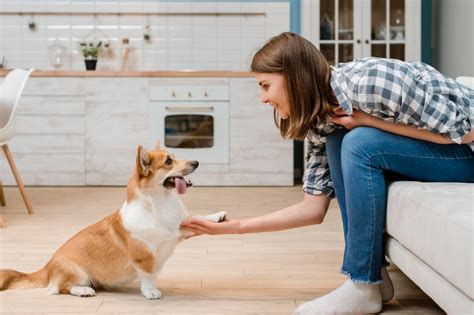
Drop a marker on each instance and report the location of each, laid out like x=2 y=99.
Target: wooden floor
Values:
x=266 y=273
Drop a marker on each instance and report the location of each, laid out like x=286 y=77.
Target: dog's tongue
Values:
x=180 y=185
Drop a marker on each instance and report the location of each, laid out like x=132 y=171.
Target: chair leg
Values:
x=17 y=178
x=2 y=222
x=3 y=203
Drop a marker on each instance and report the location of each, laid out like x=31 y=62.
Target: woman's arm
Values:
x=410 y=131
x=307 y=212
x=360 y=118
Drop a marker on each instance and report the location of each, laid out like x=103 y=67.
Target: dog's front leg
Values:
x=148 y=287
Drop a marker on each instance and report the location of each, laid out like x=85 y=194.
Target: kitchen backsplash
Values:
x=178 y=40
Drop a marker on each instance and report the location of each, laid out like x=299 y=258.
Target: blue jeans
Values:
x=358 y=161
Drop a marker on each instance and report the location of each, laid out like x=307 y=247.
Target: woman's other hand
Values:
x=357 y=119
x=200 y=226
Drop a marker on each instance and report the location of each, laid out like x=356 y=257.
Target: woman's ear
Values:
x=143 y=161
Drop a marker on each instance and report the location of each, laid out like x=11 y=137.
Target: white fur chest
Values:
x=155 y=221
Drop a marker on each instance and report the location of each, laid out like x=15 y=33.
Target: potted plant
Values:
x=90 y=51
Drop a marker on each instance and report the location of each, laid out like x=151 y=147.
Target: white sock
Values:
x=386 y=288
x=351 y=297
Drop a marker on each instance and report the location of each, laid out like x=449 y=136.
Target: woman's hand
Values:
x=199 y=226
x=357 y=119
x=468 y=138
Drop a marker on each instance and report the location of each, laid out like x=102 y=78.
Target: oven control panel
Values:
x=190 y=93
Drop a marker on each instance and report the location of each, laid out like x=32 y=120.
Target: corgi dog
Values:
x=130 y=244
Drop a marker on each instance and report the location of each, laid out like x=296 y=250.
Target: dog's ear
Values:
x=157 y=145
x=143 y=161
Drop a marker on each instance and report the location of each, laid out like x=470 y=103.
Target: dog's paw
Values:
x=82 y=291
x=217 y=217
x=222 y=216
x=152 y=294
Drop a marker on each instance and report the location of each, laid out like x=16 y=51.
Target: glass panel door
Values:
x=397 y=51
x=387 y=31
x=397 y=29
x=346 y=19
x=337 y=30
x=346 y=52
x=379 y=50
x=378 y=29
x=327 y=18
x=328 y=50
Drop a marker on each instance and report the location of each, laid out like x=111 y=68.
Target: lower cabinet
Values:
x=49 y=144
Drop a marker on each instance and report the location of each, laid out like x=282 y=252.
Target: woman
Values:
x=362 y=120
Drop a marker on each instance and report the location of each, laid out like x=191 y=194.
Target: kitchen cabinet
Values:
x=80 y=131
x=344 y=30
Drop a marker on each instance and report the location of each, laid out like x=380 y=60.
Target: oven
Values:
x=191 y=121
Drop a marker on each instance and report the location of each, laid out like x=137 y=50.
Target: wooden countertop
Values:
x=177 y=74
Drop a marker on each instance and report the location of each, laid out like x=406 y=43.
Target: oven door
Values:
x=192 y=130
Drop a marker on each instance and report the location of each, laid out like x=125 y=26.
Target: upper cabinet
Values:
x=344 y=30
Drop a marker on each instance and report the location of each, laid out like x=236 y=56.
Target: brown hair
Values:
x=307 y=75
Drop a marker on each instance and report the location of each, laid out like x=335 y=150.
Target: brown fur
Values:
x=10 y=279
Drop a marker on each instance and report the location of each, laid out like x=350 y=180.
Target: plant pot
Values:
x=90 y=64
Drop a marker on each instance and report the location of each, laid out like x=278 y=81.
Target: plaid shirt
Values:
x=410 y=93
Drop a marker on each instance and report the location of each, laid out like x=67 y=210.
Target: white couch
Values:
x=430 y=229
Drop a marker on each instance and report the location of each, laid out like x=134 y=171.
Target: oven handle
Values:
x=190 y=109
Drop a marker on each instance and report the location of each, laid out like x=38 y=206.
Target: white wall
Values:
x=178 y=42
x=453 y=29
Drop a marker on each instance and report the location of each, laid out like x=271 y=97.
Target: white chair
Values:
x=10 y=92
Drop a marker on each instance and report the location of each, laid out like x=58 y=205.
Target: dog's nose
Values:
x=195 y=164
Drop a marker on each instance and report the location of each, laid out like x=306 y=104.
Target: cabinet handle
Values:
x=173 y=94
x=205 y=94
x=358 y=41
x=189 y=94
x=190 y=109
x=366 y=41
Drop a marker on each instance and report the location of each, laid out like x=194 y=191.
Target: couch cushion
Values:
x=435 y=221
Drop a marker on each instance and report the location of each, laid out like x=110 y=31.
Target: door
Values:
x=344 y=30
x=392 y=29
x=339 y=30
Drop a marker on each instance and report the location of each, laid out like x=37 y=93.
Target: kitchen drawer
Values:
x=55 y=87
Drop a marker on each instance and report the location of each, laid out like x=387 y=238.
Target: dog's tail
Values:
x=12 y=279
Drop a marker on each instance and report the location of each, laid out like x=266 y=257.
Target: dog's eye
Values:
x=169 y=161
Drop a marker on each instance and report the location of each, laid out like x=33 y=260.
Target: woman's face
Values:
x=273 y=92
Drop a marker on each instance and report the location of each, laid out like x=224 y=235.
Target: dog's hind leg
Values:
x=81 y=291
x=74 y=287
x=70 y=279
x=71 y=285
